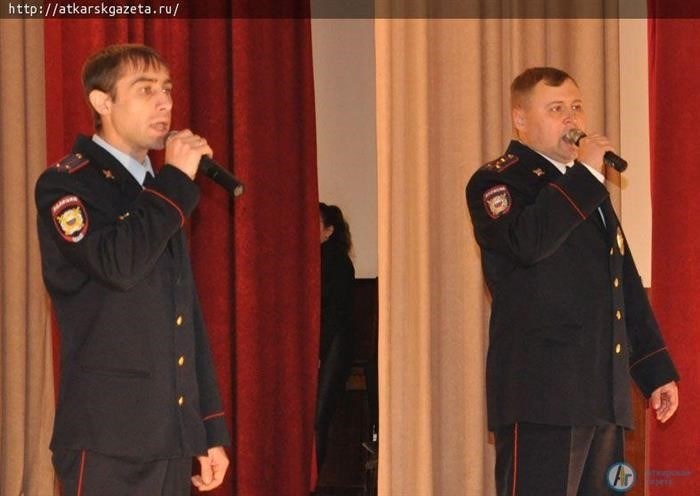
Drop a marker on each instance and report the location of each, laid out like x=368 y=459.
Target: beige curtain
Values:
x=443 y=111
x=26 y=378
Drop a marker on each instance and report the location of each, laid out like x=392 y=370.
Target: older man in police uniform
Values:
x=138 y=397
x=570 y=321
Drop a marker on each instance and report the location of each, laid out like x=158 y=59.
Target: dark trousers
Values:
x=334 y=371
x=86 y=473
x=547 y=460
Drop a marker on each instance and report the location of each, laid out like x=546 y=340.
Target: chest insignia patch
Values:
x=497 y=201
x=70 y=218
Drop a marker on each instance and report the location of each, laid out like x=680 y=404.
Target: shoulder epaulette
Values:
x=71 y=163
x=501 y=163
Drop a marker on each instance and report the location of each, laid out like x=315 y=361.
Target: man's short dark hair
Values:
x=523 y=84
x=103 y=69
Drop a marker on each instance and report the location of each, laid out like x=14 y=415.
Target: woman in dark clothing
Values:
x=336 y=347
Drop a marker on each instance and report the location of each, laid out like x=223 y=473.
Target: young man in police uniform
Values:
x=570 y=321
x=138 y=397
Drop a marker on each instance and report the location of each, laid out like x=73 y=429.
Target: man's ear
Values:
x=518 y=116
x=100 y=101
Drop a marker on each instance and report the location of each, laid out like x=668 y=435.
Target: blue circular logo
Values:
x=620 y=477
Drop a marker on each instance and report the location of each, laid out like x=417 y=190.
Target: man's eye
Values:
x=168 y=91
x=577 y=108
x=146 y=90
x=555 y=108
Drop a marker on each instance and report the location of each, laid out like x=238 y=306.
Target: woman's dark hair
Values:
x=333 y=216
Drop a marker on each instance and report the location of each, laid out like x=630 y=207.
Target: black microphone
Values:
x=220 y=176
x=610 y=159
x=216 y=173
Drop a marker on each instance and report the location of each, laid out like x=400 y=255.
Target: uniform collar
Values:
x=107 y=164
x=561 y=167
x=137 y=169
x=535 y=159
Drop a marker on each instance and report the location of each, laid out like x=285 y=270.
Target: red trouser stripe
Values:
x=82 y=473
x=515 y=458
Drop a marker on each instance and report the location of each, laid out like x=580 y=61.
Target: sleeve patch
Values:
x=70 y=218
x=497 y=201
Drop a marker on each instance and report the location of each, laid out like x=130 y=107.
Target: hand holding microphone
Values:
x=191 y=154
x=184 y=150
x=590 y=152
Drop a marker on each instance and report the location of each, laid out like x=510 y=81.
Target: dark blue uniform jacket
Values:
x=570 y=320
x=137 y=378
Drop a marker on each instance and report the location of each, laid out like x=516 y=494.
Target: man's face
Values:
x=137 y=119
x=545 y=117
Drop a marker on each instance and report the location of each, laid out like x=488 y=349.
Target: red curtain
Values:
x=247 y=86
x=277 y=266
x=674 y=464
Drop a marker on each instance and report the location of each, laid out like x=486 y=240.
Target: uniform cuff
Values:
x=217 y=432
x=653 y=371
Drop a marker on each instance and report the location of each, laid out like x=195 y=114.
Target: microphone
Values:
x=216 y=173
x=220 y=176
x=610 y=159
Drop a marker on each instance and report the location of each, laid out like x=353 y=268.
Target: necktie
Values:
x=148 y=180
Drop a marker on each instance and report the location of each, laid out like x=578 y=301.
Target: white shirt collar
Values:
x=561 y=167
x=137 y=169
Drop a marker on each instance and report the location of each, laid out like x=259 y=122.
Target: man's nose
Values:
x=165 y=101
x=570 y=115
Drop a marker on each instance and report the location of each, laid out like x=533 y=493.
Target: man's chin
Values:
x=568 y=154
x=158 y=143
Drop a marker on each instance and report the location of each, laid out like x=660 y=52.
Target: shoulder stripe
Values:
x=501 y=164
x=71 y=163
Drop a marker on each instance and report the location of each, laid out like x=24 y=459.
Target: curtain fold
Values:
x=26 y=376
x=442 y=111
x=277 y=271
x=673 y=105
